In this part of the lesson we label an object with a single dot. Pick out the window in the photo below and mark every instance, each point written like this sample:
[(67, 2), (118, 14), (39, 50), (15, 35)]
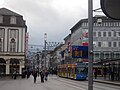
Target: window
[(94, 34), (109, 24), (104, 44), (106, 55), (13, 20), (96, 55), (99, 44), (12, 45), (119, 44), (109, 44), (116, 23), (1, 33), (1, 19), (117, 55), (0, 45), (99, 34), (114, 44), (12, 33), (114, 34), (104, 34), (118, 33), (109, 34)]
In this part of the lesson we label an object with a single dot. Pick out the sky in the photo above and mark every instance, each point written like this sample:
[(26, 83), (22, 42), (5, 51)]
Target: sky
[(54, 17)]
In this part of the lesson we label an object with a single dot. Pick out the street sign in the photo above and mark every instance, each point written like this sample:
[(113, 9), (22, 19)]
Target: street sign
[(111, 8), (79, 51)]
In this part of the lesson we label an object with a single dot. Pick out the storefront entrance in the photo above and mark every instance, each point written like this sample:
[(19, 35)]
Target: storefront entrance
[(14, 65), (111, 70), (2, 66)]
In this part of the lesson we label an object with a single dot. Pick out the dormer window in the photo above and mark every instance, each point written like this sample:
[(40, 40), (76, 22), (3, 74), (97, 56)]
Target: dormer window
[(1, 19), (12, 20)]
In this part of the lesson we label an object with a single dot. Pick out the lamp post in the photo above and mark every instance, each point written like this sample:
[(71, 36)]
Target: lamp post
[(45, 38), (90, 48)]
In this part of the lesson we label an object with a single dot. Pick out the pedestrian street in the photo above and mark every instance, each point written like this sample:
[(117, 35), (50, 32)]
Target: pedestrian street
[(53, 83)]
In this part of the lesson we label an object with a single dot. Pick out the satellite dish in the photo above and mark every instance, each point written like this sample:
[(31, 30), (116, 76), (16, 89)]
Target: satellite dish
[(111, 8)]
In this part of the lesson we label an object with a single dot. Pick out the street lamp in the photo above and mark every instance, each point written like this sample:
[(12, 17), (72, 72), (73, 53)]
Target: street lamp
[(45, 38), (90, 48)]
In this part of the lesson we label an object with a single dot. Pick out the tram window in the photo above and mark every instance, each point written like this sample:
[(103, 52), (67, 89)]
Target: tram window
[(79, 70)]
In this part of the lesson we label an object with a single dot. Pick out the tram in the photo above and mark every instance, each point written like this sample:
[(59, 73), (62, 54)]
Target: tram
[(76, 71)]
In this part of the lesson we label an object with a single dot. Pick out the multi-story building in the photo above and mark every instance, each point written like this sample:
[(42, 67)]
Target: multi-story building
[(106, 41), (12, 42)]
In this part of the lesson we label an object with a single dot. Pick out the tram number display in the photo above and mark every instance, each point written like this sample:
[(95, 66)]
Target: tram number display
[(79, 51)]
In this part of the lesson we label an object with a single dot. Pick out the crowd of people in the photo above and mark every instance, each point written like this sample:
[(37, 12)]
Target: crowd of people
[(35, 73), (43, 74)]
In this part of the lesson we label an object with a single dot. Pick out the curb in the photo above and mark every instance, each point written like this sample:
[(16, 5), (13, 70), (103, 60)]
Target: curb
[(107, 82)]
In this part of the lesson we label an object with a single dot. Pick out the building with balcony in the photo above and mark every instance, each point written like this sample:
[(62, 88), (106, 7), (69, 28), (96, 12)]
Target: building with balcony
[(12, 42)]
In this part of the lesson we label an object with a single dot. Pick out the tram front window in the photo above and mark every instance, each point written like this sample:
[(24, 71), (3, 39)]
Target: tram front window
[(80, 70)]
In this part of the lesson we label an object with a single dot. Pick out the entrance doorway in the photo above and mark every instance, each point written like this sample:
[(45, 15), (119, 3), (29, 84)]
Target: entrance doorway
[(2, 66), (14, 65)]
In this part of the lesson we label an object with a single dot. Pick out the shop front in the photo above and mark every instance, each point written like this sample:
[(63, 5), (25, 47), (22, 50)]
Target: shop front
[(111, 69)]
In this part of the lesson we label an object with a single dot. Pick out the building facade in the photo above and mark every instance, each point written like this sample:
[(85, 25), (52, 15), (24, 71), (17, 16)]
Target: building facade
[(12, 42), (106, 42)]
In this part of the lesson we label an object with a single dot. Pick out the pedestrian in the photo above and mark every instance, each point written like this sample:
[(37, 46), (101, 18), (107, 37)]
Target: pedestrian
[(105, 72), (95, 73), (28, 74), (15, 74), (34, 73), (46, 75), (112, 75), (42, 76)]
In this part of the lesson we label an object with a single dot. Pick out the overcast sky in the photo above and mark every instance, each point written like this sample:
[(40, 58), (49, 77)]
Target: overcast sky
[(54, 17)]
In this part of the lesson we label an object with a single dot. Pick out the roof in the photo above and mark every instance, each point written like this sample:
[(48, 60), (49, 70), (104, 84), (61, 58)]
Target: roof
[(104, 19), (4, 11), (67, 37)]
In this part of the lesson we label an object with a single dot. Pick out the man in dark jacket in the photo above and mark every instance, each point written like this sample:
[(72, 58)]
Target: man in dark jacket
[(42, 76), (34, 73)]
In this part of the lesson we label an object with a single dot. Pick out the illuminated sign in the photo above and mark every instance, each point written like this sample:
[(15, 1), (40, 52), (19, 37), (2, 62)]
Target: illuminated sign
[(79, 51)]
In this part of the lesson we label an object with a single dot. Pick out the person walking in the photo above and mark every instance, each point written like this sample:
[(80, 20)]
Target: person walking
[(34, 73), (15, 73), (42, 76), (95, 73), (46, 75), (112, 75)]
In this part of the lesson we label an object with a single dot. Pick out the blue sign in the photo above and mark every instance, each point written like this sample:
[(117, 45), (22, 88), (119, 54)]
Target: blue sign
[(79, 51)]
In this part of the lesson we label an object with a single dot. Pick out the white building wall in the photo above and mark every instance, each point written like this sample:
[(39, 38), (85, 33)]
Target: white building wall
[(5, 39), (20, 41), (20, 33), (23, 43)]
